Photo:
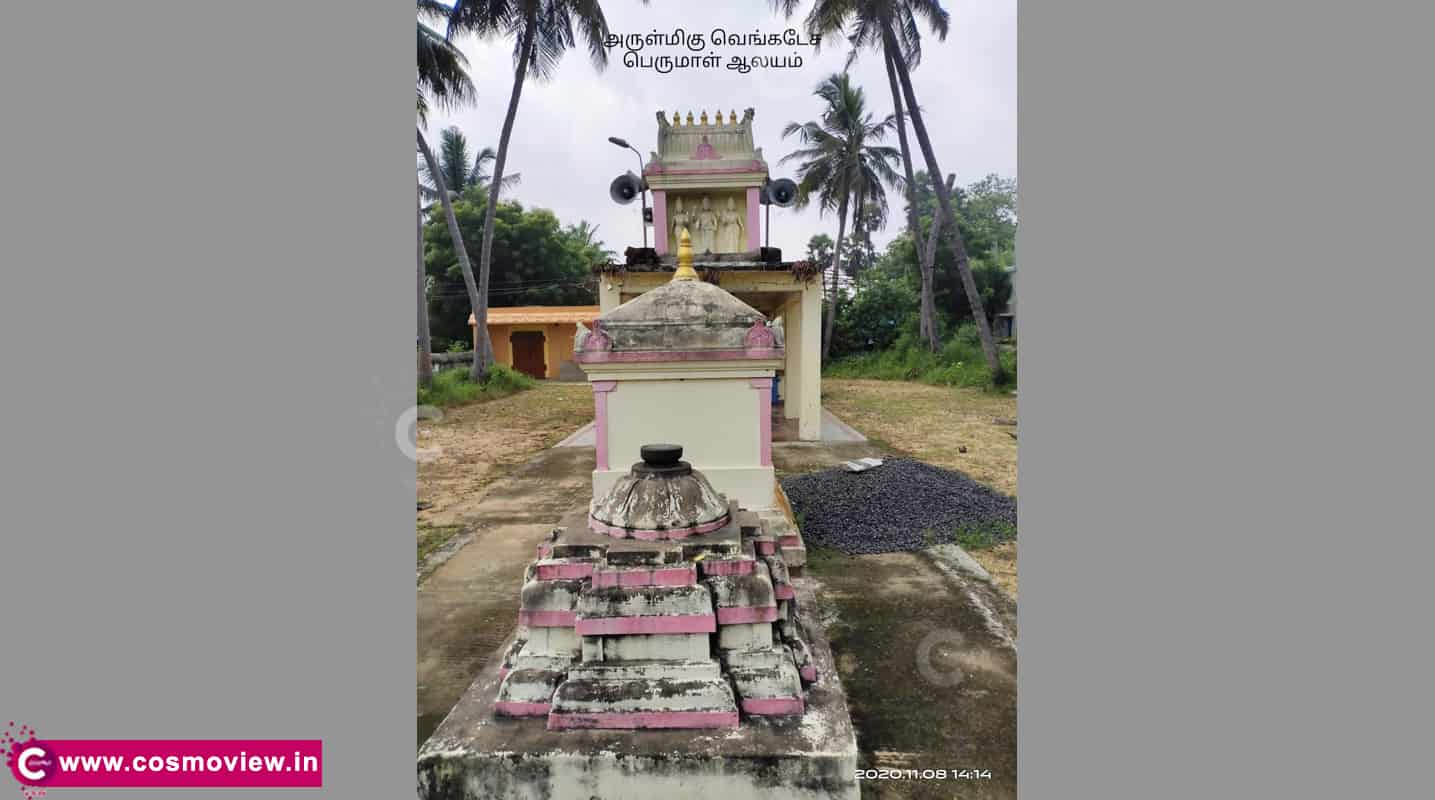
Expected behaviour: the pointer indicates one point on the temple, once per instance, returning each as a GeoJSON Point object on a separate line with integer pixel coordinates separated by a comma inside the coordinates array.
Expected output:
{"type": "Point", "coordinates": [707, 177]}
{"type": "Point", "coordinates": [666, 645]}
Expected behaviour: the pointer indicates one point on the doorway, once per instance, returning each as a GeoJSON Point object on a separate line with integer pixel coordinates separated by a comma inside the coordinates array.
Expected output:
{"type": "Point", "coordinates": [528, 353]}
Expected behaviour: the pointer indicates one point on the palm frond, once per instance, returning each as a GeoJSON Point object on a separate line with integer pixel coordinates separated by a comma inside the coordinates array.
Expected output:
{"type": "Point", "coordinates": [442, 72]}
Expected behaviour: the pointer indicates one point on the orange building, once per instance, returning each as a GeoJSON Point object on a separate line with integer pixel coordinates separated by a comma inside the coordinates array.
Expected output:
{"type": "Point", "coordinates": [537, 340]}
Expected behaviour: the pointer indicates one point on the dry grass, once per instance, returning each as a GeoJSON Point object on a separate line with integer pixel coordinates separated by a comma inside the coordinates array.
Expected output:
{"type": "Point", "coordinates": [472, 445]}
{"type": "Point", "coordinates": [935, 424]}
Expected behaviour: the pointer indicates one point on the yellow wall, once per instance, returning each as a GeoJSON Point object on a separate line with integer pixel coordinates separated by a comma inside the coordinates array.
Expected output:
{"type": "Point", "coordinates": [557, 343]}
{"type": "Point", "coordinates": [560, 345]}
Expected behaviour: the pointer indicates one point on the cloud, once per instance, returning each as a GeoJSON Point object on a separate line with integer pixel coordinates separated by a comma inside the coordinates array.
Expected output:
{"type": "Point", "coordinates": [967, 87]}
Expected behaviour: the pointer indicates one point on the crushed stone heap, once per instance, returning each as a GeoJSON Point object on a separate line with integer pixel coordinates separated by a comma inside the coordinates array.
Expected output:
{"type": "Point", "coordinates": [665, 606]}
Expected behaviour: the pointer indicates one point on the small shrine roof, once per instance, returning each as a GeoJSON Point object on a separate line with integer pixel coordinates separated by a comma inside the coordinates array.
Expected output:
{"type": "Point", "coordinates": [535, 315]}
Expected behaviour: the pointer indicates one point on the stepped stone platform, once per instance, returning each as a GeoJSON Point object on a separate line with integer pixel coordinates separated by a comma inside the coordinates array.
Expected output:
{"type": "Point", "coordinates": [475, 753]}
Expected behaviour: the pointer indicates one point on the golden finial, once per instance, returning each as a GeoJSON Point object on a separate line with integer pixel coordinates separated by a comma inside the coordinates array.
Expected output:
{"type": "Point", "coordinates": [677, 119]}
{"type": "Point", "coordinates": [690, 117]}
{"type": "Point", "coordinates": [685, 258]}
{"type": "Point", "coordinates": [732, 117]}
{"type": "Point", "coordinates": [703, 120]}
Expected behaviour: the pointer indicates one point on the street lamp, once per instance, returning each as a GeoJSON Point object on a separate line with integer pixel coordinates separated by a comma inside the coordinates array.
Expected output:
{"type": "Point", "coordinates": [624, 143]}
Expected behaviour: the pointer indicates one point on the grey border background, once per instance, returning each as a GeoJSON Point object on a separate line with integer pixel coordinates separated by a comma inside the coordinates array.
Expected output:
{"type": "Point", "coordinates": [207, 321]}
{"type": "Point", "coordinates": [1224, 401]}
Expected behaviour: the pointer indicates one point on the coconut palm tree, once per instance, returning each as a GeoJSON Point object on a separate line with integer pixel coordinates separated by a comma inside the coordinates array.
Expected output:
{"type": "Point", "coordinates": [841, 164]}
{"type": "Point", "coordinates": [459, 170]}
{"type": "Point", "coordinates": [895, 27]}
{"type": "Point", "coordinates": [443, 76]}
{"type": "Point", "coordinates": [542, 31]}
{"type": "Point", "coordinates": [442, 69]}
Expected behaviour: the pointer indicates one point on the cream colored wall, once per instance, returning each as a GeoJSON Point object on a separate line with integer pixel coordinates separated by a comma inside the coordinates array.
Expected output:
{"type": "Point", "coordinates": [801, 386]}
{"type": "Point", "coordinates": [716, 421]}
{"type": "Point", "coordinates": [809, 361]}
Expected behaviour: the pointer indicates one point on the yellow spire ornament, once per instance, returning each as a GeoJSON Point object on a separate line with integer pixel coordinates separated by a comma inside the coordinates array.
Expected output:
{"type": "Point", "coordinates": [685, 258]}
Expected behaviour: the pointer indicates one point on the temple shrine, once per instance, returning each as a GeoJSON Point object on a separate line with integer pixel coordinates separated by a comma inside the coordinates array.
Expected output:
{"type": "Point", "coordinates": [665, 643]}
{"type": "Point", "coordinates": [707, 177]}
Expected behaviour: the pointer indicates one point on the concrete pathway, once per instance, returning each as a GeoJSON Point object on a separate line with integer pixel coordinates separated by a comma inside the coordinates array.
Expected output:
{"type": "Point", "coordinates": [469, 605]}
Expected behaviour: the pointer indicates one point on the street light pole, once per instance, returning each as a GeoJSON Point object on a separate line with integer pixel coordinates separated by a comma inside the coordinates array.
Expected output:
{"type": "Point", "coordinates": [644, 181]}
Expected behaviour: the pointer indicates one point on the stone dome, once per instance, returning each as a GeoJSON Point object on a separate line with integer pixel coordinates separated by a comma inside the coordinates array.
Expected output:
{"type": "Point", "coordinates": [662, 497]}
{"type": "Point", "coordinates": [682, 315]}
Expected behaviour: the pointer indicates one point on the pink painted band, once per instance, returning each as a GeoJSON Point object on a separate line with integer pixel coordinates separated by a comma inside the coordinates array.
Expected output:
{"type": "Point", "coordinates": [660, 221]}
{"type": "Point", "coordinates": [598, 526]}
{"type": "Point", "coordinates": [746, 615]}
{"type": "Point", "coordinates": [630, 356]}
{"type": "Point", "coordinates": [510, 708]}
{"type": "Point", "coordinates": [668, 576]}
{"type": "Point", "coordinates": [546, 619]}
{"type": "Point", "coordinates": [784, 591]}
{"type": "Point", "coordinates": [754, 203]}
{"type": "Point", "coordinates": [808, 674]}
{"type": "Point", "coordinates": [609, 626]}
{"type": "Point", "coordinates": [773, 706]}
{"type": "Point", "coordinates": [792, 540]}
{"type": "Point", "coordinates": [565, 571]}
{"type": "Point", "coordinates": [646, 719]}
{"type": "Point", "coordinates": [728, 566]}
{"type": "Point", "coordinates": [765, 547]}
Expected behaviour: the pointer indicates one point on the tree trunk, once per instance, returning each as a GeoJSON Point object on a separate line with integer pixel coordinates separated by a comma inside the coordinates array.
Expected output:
{"type": "Point", "coordinates": [425, 343]}
{"type": "Point", "coordinates": [836, 271]}
{"type": "Point", "coordinates": [475, 297]}
{"type": "Point", "coordinates": [944, 198]}
{"type": "Point", "coordinates": [926, 305]}
{"type": "Point", "coordinates": [928, 268]}
{"type": "Point", "coordinates": [482, 360]}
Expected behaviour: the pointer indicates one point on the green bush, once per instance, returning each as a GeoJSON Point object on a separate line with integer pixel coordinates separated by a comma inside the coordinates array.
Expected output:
{"type": "Point", "coordinates": [452, 387]}
{"type": "Point", "coordinates": [959, 363]}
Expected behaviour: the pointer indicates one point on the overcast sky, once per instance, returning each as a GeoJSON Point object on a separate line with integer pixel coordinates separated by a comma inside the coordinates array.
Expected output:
{"type": "Point", "coordinates": [966, 85]}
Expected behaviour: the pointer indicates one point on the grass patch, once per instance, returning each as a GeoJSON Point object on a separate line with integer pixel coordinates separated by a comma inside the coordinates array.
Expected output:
{"type": "Point", "coordinates": [983, 537]}
{"type": "Point", "coordinates": [959, 363]}
{"type": "Point", "coordinates": [432, 537]}
{"type": "Point", "coordinates": [452, 387]}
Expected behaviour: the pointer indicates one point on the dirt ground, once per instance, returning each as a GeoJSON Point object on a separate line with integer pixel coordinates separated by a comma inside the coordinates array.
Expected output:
{"type": "Point", "coordinates": [935, 424]}
{"type": "Point", "coordinates": [462, 453]}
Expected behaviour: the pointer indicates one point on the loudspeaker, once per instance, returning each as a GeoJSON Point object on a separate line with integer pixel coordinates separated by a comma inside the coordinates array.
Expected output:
{"type": "Point", "coordinates": [625, 188]}
{"type": "Point", "coordinates": [781, 193]}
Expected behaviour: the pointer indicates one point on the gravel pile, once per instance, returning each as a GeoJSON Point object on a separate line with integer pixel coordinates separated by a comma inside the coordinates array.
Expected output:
{"type": "Point", "coordinates": [892, 507]}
